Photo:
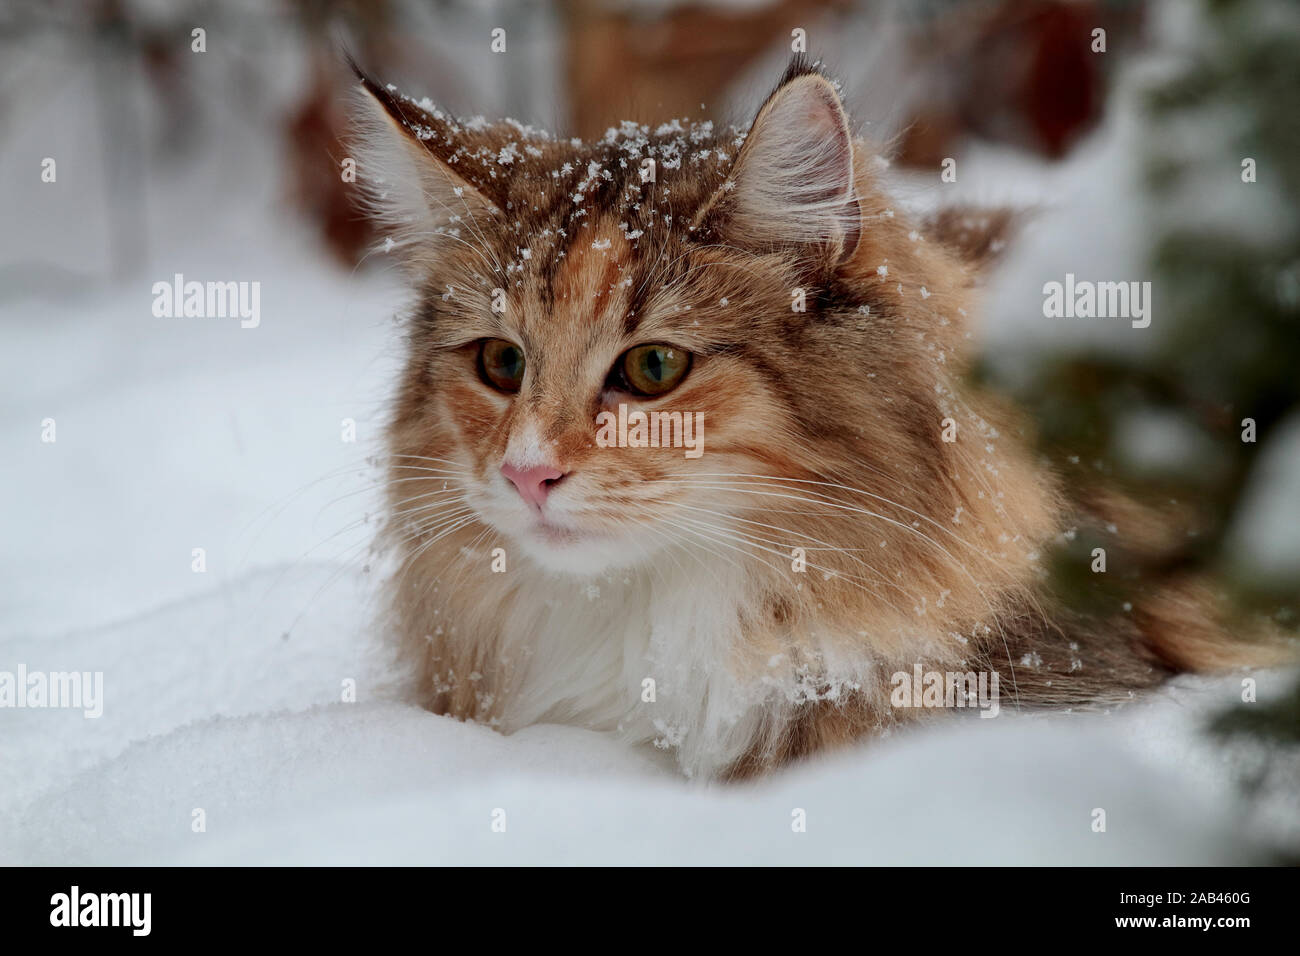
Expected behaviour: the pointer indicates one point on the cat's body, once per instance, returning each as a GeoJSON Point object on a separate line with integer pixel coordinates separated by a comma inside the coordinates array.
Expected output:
{"type": "Point", "coordinates": [642, 591]}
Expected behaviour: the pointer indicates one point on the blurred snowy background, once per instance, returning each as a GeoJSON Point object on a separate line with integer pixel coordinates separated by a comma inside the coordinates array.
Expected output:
{"type": "Point", "coordinates": [222, 688]}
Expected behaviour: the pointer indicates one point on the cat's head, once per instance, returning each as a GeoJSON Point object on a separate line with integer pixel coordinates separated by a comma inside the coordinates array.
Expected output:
{"type": "Point", "coordinates": [758, 282]}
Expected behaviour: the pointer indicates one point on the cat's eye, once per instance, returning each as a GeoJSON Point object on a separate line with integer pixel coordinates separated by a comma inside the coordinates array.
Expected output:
{"type": "Point", "coordinates": [652, 369]}
{"type": "Point", "coordinates": [501, 364]}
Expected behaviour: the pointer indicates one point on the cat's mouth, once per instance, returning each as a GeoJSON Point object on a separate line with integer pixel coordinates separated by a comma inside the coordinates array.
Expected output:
{"type": "Point", "coordinates": [583, 548]}
{"type": "Point", "coordinates": [555, 533]}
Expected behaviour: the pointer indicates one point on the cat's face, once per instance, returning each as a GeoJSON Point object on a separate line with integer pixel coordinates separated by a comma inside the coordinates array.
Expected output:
{"type": "Point", "coordinates": [735, 292]}
{"type": "Point", "coordinates": [539, 404]}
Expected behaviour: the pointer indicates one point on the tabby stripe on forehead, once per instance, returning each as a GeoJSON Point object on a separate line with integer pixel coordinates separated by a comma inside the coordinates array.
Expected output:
{"type": "Point", "coordinates": [644, 266]}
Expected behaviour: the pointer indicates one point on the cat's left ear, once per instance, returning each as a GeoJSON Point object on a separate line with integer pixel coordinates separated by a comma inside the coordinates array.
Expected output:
{"type": "Point", "coordinates": [792, 184]}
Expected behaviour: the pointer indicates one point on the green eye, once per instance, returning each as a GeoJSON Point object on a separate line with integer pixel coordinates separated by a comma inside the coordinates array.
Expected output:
{"type": "Point", "coordinates": [653, 369]}
{"type": "Point", "coordinates": [501, 364]}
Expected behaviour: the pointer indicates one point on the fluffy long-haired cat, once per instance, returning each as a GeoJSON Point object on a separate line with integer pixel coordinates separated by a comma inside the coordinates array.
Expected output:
{"type": "Point", "coordinates": [825, 504]}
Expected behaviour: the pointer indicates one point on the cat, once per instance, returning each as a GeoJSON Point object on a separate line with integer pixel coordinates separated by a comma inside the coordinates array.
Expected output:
{"type": "Point", "coordinates": [858, 510]}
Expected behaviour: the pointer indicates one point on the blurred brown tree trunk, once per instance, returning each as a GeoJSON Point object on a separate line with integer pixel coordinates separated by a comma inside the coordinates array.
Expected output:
{"type": "Point", "coordinates": [621, 65]}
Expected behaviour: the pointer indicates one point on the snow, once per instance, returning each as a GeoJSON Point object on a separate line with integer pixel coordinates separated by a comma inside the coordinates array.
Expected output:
{"type": "Point", "coordinates": [224, 690]}
{"type": "Point", "coordinates": [379, 783]}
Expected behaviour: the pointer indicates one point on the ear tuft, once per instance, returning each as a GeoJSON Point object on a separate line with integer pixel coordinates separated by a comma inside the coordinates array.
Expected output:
{"type": "Point", "coordinates": [793, 181]}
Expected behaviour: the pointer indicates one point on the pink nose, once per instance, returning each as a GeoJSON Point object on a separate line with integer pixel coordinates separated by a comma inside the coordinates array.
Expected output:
{"type": "Point", "coordinates": [534, 483]}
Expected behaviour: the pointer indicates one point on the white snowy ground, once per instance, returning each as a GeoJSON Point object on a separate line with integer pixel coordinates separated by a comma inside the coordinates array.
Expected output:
{"type": "Point", "coordinates": [223, 688]}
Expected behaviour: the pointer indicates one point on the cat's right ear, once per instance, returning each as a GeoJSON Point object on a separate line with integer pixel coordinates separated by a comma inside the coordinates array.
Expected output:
{"type": "Point", "coordinates": [425, 174]}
